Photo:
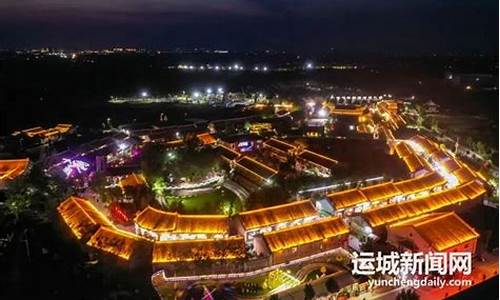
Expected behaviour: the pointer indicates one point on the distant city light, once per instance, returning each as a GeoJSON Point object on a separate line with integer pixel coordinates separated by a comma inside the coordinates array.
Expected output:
{"type": "Point", "coordinates": [196, 94]}
{"type": "Point", "coordinates": [209, 91]}
{"type": "Point", "coordinates": [351, 127]}
{"type": "Point", "coordinates": [309, 65]}
{"type": "Point", "coordinates": [264, 69]}
{"type": "Point", "coordinates": [220, 90]}
{"type": "Point", "coordinates": [144, 94]}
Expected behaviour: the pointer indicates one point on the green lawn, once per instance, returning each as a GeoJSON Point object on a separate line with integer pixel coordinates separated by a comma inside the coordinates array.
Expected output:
{"type": "Point", "coordinates": [207, 203]}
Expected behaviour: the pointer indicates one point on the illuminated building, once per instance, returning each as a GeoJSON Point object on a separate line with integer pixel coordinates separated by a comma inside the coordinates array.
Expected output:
{"type": "Point", "coordinates": [252, 222]}
{"type": "Point", "coordinates": [161, 226]}
{"type": "Point", "coordinates": [10, 169]}
{"type": "Point", "coordinates": [303, 240]}
{"type": "Point", "coordinates": [435, 232]}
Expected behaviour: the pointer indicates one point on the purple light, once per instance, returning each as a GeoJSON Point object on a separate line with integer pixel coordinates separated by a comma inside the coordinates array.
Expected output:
{"type": "Point", "coordinates": [74, 167]}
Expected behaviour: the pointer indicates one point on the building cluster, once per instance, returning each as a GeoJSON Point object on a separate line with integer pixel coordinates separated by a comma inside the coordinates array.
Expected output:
{"type": "Point", "coordinates": [45, 135]}
{"type": "Point", "coordinates": [403, 211]}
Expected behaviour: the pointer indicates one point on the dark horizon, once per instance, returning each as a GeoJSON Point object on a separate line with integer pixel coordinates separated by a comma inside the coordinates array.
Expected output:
{"type": "Point", "coordinates": [388, 27]}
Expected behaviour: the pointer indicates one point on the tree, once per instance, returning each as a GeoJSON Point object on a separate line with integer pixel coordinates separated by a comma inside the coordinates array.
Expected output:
{"type": "Point", "coordinates": [482, 150]}
{"type": "Point", "coordinates": [331, 285]}
{"type": "Point", "coordinates": [420, 118]}
{"type": "Point", "coordinates": [17, 204]}
{"type": "Point", "coordinates": [435, 125]}
{"type": "Point", "coordinates": [409, 294]}
{"type": "Point", "coordinates": [309, 292]}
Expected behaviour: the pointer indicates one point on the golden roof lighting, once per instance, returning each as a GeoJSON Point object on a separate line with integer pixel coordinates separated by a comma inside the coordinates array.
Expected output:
{"type": "Point", "coordinates": [156, 220]}
{"type": "Point", "coordinates": [358, 111]}
{"type": "Point", "coordinates": [202, 224]}
{"type": "Point", "coordinates": [427, 146]}
{"type": "Point", "coordinates": [383, 215]}
{"type": "Point", "coordinates": [114, 241]}
{"type": "Point", "coordinates": [277, 214]}
{"type": "Point", "coordinates": [133, 180]}
{"type": "Point", "coordinates": [421, 183]}
{"type": "Point", "coordinates": [347, 198]}
{"type": "Point", "coordinates": [402, 149]}
{"type": "Point", "coordinates": [441, 230]}
{"type": "Point", "coordinates": [279, 145]}
{"type": "Point", "coordinates": [464, 174]}
{"type": "Point", "coordinates": [81, 216]}
{"type": "Point", "coordinates": [472, 189]}
{"type": "Point", "coordinates": [414, 163]}
{"type": "Point", "coordinates": [161, 221]}
{"type": "Point", "coordinates": [197, 250]}
{"type": "Point", "coordinates": [304, 234]}
{"type": "Point", "coordinates": [12, 168]}
{"type": "Point", "coordinates": [206, 138]}
{"type": "Point", "coordinates": [399, 211]}
{"type": "Point", "coordinates": [381, 191]}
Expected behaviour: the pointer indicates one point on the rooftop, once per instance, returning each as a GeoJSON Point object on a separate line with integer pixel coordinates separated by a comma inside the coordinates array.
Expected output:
{"type": "Point", "coordinates": [441, 230]}
{"type": "Point", "coordinates": [12, 168]}
{"type": "Point", "coordinates": [280, 145]}
{"type": "Point", "coordinates": [196, 250]}
{"type": "Point", "coordinates": [347, 198]}
{"type": "Point", "coordinates": [161, 221]}
{"type": "Point", "coordinates": [299, 235]}
{"type": "Point", "coordinates": [277, 214]}
{"type": "Point", "coordinates": [81, 216]}
{"type": "Point", "coordinates": [114, 241]}
{"type": "Point", "coordinates": [318, 159]}
{"type": "Point", "coordinates": [421, 183]}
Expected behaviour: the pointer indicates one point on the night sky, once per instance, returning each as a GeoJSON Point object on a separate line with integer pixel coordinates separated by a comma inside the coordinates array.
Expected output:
{"type": "Point", "coordinates": [358, 26]}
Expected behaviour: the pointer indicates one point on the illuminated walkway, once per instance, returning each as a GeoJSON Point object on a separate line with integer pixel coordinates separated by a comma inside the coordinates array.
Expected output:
{"type": "Point", "coordinates": [160, 277]}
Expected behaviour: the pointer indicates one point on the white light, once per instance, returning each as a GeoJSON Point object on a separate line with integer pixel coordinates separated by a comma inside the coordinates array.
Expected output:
{"type": "Point", "coordinates": [209, 91]}
{"type": "Point", "coordinates": [309, 65]}
{"type": "Point", "coordinates": [191, 67]}
{"type": "Point", "coordinates": [220, 90]}
{"type": "Point", "coordinates": [311, 103]}
{"type": "Point", "coordinates": [255, 68]}
{"type": "Point", "coordinates": [122, 146]}
{"type": "Point", "coordinates": [322, 113]}
{"type": "Point", "coordinates": [261, 95]}
{"type": "Point", "coordinates": [236, 66]}
{"type": "Point", "coordinates": [144, 94]}
{"type": "Point", "coordinates": [217, 68]}
{"type": "Point", "coordinates": [351, 127]}
{"type": "Point", "coordinates": [196, 94]}
{"type": "Point", "coordinates": [264, 69]}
